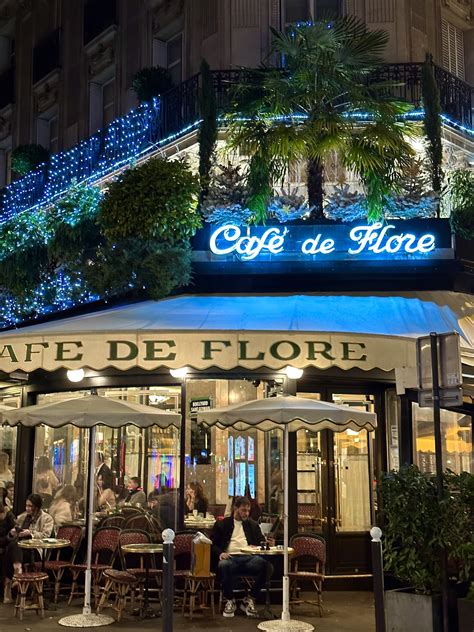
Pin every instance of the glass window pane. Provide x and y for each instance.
(175, 50)
(456, 440)
(392, 407)
(8, 397)
(296, 10)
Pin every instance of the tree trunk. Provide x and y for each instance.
(315, 182)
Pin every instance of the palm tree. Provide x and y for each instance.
(321, 100)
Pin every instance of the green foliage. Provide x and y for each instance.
(461, 197)
(23, 230)
(26, 158)
(22, 271)
(311, 108)
(156, 200)
(151, 82)
(133, 265)
(208, 129)
(417, 527)
(432, 123)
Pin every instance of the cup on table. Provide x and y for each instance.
(195, 513)
(209, 516)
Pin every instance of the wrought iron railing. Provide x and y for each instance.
(155, 124)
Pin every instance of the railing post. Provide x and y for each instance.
(168, 580)
(377, 570)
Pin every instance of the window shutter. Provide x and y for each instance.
(160, 53)
(452, 45)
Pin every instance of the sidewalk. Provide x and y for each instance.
(344, 612)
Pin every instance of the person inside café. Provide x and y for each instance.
(7, 523)
(229, 537)
(32, 523)
(6, 475)
(105, 493)
(8, 494)
(135, 495)
(196, 499)
(46, 480)
(63, 509)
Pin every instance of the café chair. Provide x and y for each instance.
(25, 582)
(63, 561)
(134, 563)
(119, 583)
(104, 550)
(202, 587)
(307, 565)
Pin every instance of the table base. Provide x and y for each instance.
(287, 626)
(86, 621)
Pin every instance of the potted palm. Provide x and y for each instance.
(417, 528)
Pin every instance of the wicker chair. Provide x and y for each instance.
(104, 550)
(307, 562)
(57, 566)
(134, 563)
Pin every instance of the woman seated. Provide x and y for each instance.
(7, 493)
(33, 523)
(105, 493)
(196, 499)
(7, 523)
(63, 508)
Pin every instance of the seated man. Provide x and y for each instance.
(135, 495)
(229, 536)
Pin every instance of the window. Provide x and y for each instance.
(452, 40)
(8, 397)
(169, 55)
(301, 10)
(47, 133)
(101, 104)
(5, 166)
(296, 11)
(46, 56)
(98, 16)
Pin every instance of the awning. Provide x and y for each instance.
(249, 331)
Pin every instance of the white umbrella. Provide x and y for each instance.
(290, 413)
(88, 412)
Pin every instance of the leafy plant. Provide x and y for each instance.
(26, 158)
(461, 198)
(156, 200)
(208, 128)
(227, 188)
(151, 82)
(134, 266)
(432, 123)
(321, 102)
(417, 527)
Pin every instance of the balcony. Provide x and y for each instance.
(98, 16)
(7, 88)
(151, 126)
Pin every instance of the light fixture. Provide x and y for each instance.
(181, 372)
(293, 373)
(75, 375)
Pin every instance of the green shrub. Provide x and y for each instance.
(461, 197)
(156, 200)
(151, 82)
(26, 158)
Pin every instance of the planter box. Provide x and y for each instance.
(466, 615)
(403, 609)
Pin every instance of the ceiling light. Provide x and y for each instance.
(181, 372)
(75, 375)
(293, 373)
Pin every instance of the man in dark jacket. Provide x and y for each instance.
(229, 536)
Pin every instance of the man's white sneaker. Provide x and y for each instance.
(229, 608)
(248, 606)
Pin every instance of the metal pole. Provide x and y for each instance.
(439, 469)
(377, 571)
(182, 456)
(168, 580)
(89, 521)
(285, 615)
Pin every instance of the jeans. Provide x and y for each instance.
(239, 565)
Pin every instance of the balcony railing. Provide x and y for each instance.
(152, 125)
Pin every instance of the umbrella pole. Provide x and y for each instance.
(285, 615)
(89, 521)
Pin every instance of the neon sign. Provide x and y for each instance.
(248, 243)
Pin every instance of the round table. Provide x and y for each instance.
(44, 544)
(145, 549)
(273, 550)
(199, 523)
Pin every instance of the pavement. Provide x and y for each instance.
(343, 612)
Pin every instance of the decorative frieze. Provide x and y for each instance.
(101, 59)
(461, 8)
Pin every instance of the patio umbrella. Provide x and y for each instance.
(88, 412)
(289, 413)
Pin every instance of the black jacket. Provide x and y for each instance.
(222, 533)
(6, 525)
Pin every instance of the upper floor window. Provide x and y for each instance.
(169, 55)
(301, 10)
(98, 16)
(7, 53)
(46, 56)
(5, 165)
(7, 87)
(47, 133)
(101, 104)
(452, 40)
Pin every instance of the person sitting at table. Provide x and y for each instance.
(229, 536)
(7, 523)
(46, 480)
(33, 523)
(7, 495)
(105, 493)
(135, 495)
(196, 499)
(64, 506)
